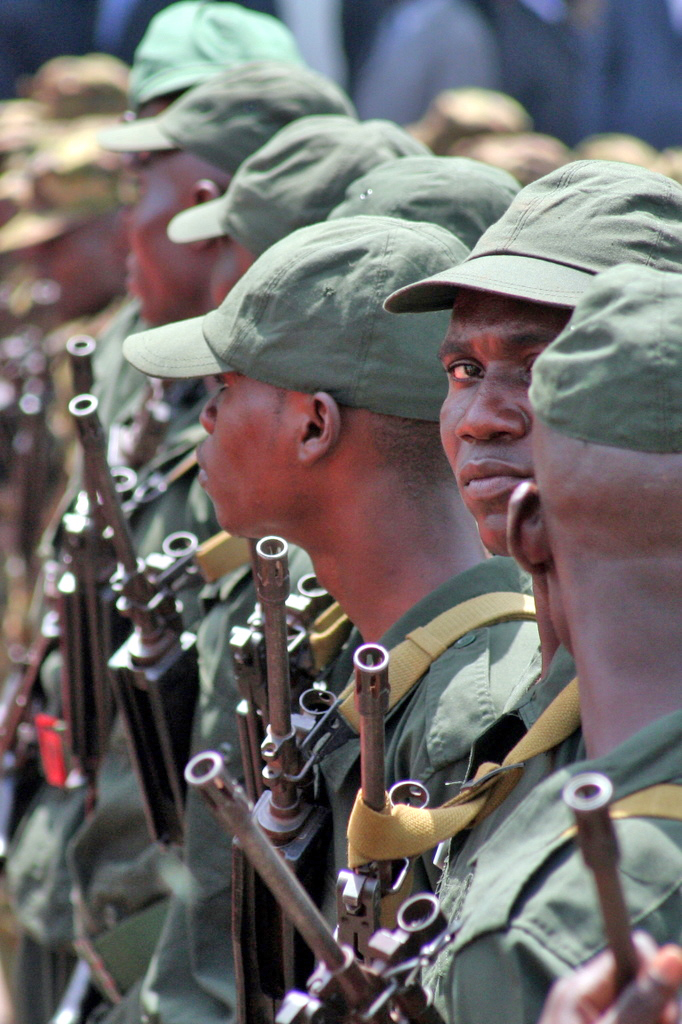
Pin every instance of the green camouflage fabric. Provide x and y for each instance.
(70, 87)
(531, 915)
(68, 180)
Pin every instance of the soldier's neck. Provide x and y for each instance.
(624, 621)
(383, 554)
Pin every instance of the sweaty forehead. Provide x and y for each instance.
(486, 316)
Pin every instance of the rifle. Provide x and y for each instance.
(308, 612)
(360, 892)
(154, 672)
(268, 961)
(341, 989)
(588, 795)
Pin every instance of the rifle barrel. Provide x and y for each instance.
(229, 803)
(588, 795)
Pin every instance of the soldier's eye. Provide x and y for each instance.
(463, 371)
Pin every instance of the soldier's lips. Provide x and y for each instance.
(488, 481)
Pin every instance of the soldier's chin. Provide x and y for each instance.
(492, 526)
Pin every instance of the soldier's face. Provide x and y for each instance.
(168, 279)
(486, 419)
(246, 461)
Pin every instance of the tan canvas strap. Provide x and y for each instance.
(328, 634)
(661, 801)
(411, 658)
(220, 554)
(403, 831)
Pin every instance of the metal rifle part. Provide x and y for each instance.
(360, 891)
(230, 805)
(154, 672)
(588, 795)
(268, 962)
(78, 999)
(309, 698)
(136, 443)
(279, 748)
(81, 348)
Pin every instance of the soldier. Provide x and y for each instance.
(511, 297)
(350, 461)
(270, 191)
(602, 519)
(295, 179)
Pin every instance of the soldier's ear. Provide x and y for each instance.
(204, 191)
(320, 426)
(526, 531)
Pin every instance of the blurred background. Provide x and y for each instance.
(579, 67)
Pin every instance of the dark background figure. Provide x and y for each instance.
(640, 70)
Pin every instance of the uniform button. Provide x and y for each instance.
(465, 640)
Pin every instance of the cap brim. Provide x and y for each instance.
(519, 277)
(197, 223)
(174, 352)
(142, 136)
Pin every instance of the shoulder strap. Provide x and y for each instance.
(661, 801)
(403, 831)
(411, 658)
(220, 554)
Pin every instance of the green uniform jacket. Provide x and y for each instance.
(430, 732)
(531, 913)
(524, 708)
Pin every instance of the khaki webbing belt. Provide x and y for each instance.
(411, 658)
(220, 554)
(403, 831)
(661, 801)
(329, 632)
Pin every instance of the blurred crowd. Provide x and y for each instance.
(578, 66)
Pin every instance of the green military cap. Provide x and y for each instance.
(188, 42)
(68, 87)
(227, 118)
(67, 181)
(295, 179)
(307, 316)
(614, 375)
(462, 195)
(559, 231)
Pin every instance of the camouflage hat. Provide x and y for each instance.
(307, 316)
(69, 180)
(295, 179)
(190, 41)
(614, 375)
(21, 125)
(559, 231)
(459, 113)
(464, 196)
(229, 117)
(68, 87)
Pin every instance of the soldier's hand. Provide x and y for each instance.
(588, 995)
